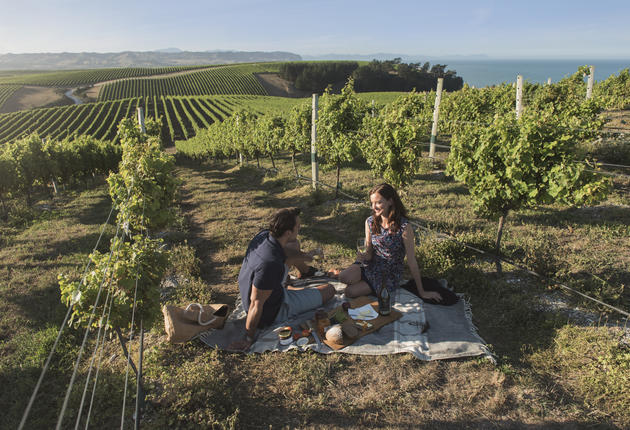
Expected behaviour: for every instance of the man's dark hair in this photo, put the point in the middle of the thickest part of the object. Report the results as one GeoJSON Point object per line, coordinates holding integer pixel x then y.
{"type": "Point", "coordinates": [283, 220]}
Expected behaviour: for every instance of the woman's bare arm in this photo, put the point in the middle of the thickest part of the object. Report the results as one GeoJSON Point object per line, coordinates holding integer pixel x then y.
{"type": "Point", "coordinates": [410, 252]}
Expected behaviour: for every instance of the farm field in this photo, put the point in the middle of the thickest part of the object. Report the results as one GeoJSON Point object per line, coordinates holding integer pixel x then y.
{"type": "Point", "coordinates": [73, 78]}
{"type": "Point", "coordinates": [183, 116]}
{"type": "Point", "coordinates": [7, 91]}
{"type": "Point", "coordinates": [551, 367]}
{"type": "Point", "coordinates": [238, 79]}
{"type": "Point", "coordinates": [561, 360]}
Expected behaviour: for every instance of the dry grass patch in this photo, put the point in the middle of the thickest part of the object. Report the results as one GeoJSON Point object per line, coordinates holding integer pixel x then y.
{"type": "Point", "coordinates": [30, 97]}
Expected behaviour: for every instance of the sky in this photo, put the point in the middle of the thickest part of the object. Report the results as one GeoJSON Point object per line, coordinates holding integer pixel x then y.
{"type": "Point", "coordinates": [495, 28]}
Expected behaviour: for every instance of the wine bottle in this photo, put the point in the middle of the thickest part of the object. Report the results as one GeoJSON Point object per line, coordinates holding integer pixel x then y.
{"type": "Point", "coordinates": [384, 301]}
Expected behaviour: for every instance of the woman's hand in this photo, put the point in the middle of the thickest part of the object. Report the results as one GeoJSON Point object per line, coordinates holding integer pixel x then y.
{"type": "Point", "coordinates": [363, 257]}
{"type": "Point", "coordinates": [431, 295]}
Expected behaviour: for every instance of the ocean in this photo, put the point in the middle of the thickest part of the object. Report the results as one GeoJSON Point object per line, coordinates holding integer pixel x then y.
{"type": "Point", "coordinates": [481, 73]}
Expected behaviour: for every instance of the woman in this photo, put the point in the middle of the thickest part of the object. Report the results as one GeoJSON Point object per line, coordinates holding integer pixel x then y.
{"type": "Point", "coordinates": [389, 238]}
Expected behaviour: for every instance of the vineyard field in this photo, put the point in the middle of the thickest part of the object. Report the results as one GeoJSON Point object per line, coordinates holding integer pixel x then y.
{"type": "Point", "coordinates": [237, 79]}
{"type": "Point", "coordinates": [183, 116]}
{"type": "Point", "coordinates": [6, 91]}
{"type": "Point", "coordinates": [85, 77]}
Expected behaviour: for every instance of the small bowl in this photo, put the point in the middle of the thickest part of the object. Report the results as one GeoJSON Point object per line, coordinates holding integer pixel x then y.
{"type": "Point", "coordinates": [301, 341]}
{"type": "Point", "coordinates": [285, 335]}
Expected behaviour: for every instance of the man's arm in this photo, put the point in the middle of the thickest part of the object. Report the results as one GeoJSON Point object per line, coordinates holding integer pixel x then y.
{"type": "Point", "coordinates": [257, 299]}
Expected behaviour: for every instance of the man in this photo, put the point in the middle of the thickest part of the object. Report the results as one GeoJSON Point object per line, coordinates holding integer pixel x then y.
{"type": "Point", "coordinates": [263, 274]}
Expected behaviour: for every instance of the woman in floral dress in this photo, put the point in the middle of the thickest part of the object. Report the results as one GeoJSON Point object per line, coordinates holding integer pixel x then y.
{"type": "Point", "coordinates": [389, 238]}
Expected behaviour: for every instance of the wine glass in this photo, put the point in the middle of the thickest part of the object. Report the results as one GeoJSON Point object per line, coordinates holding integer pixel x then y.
{"type": "Point", "coordinates": [318, 253]}
{"type": "Point", "coordinates": [361, 249]}
{"type": "Point", "coordinates": [361, 246]}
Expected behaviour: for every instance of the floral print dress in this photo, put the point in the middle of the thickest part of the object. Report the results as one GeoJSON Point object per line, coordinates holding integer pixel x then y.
{"type": "Point", "coordinates": [387, 263]}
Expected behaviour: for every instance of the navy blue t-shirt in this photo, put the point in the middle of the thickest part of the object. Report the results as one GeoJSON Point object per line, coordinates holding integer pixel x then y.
{"type": "Point", "coordinates": [263, 266]}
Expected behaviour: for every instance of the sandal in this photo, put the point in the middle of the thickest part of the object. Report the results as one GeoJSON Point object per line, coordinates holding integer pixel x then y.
{"type": "Point", "coordinates": [311, 272]}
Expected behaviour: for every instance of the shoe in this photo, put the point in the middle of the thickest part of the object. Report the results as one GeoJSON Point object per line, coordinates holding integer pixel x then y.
{"type": "Point", "coordinates": [311, 272]}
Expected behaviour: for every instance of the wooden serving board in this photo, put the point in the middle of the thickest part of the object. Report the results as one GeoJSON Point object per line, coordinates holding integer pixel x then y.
{"type": "Point", "coordinates": [377, 323]}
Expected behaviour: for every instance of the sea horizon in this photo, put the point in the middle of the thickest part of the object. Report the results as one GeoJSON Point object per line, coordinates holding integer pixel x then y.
{"type": "Point", "coordinates": [487, 72]}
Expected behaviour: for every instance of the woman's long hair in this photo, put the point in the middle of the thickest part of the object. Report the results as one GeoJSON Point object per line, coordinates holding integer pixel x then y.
{"type": "Point", "coordinates": [396, 211]}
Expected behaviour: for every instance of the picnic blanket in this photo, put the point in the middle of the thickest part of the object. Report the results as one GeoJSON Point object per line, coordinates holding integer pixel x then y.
{"type": "Point", "coordinates": [449, 334]}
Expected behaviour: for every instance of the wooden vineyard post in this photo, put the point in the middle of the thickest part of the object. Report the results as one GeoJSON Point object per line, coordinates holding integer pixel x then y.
{"type": "Point", "coordinates": [589, 85]}
{"type": "Point", "coordinates": [436, 116]}
{"type": "Point", "coordinates": [519, 96]}
{"type": "Point", "coordinates": [314, 167]}
{"type": "Point", "coordinates": [139, 386]}
{"type": "Point", "coordinates": [141, 120]}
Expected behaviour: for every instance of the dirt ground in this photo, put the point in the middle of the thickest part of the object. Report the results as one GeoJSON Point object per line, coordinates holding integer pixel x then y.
{"type": "Point", "coordinates": [29, 97]}
{"type": "Point", "coordinates": [619, 119]}
{"type": "Point", "coordinates": [276, 86]}
{"type": "Point", "coordinates": [94, 90]}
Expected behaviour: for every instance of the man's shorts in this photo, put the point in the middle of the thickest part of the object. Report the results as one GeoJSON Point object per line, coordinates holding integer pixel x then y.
{"type": "Point", "coordinates": [297, 302]}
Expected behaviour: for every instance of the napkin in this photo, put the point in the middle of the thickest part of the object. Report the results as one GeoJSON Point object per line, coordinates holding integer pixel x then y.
{"type": "Point", "coordinates": [365, 313]}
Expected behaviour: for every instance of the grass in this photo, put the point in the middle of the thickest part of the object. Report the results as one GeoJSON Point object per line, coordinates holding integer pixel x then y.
{"type": "Point", "coordinates": [550, 372]}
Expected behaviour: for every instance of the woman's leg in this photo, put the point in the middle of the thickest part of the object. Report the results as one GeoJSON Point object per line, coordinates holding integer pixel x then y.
{"type": "Point", "coordinates": [356, 286]}
{"type": "Point", "coordinates": [361, 288]}
{"type": "Point", "coordinates": [351, 275]}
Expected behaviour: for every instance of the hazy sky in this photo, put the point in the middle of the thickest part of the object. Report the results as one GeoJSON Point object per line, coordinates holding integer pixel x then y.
{"type": "Point", "coordinates": [506, 29]}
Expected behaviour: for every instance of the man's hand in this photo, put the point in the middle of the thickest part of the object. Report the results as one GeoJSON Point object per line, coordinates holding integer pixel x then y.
{"type": "Point", "coordinates": [315, 254]}
{"type": "Point", "coordinates": [257, 300]}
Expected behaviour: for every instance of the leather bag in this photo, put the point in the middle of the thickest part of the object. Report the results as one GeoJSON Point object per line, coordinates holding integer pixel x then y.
{"type": "Point", "coordinates": [184, 324]}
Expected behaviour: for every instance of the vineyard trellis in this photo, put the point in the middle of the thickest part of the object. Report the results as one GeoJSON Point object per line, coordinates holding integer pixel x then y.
{"type": "Point", "coordinates": [508, 161]}
{"type": "Point", "coordinates": [85, 77]}
{"type": "Point", "coordinates": [145, 170]}
{"type": "Point", "coordinates": [7, 91]}
{"type": "Point", "coordinates": [184, 116]}
{"type": "Point", "coordinates": [217, 80]}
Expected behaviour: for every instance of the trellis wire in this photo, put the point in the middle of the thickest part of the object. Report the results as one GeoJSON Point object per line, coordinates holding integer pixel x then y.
{"type": "Point", "coordinates": [98, 367]}
{"type": "Point", "coordinates": [133, 316]}
{"type": "Point", "coordinates": [94, 352]}
{"type": "Point", "coordinates": [87, 332]}
{"type": "Point", "coordinates": [63, 325]}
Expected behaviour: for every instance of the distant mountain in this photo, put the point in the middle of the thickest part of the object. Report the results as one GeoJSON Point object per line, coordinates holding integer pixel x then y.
{"type": "Point", "coordinates": [355, 57]}
{"type": "Point", "coordinates": [169, 50]}
{"type": "Point", "coordinates": [161, 58]}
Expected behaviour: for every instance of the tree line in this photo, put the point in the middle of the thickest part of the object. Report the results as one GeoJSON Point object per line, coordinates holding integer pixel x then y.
{"type": "Point", "coordinates": [390, 75]}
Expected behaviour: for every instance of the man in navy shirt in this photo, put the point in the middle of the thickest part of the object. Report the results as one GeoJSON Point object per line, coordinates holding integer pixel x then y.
{"type": "Point", "coordinates": [261, 280]}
